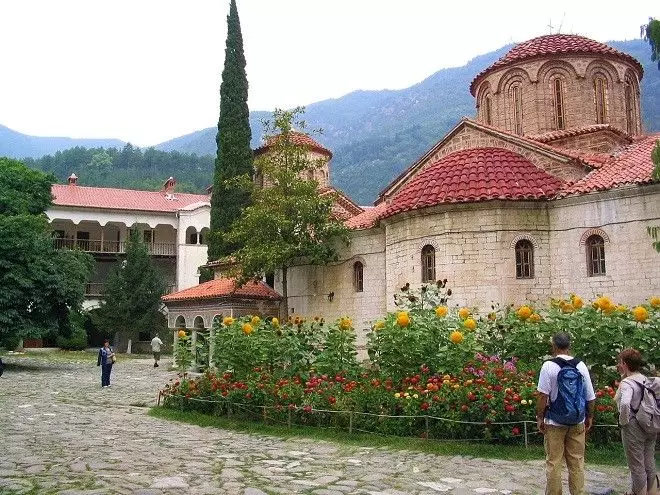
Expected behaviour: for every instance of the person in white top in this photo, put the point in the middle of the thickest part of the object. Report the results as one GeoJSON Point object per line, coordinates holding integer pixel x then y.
{"type": "Point", "coordinates": [155, 348]}
{"type": "Point", "coordinates": [564, 441]}
{"type": "Point", "coordinates": [637, 443]}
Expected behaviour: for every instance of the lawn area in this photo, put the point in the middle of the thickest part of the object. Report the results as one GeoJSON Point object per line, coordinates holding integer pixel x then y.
{"type": "Point", "coordinates": [611, 455]}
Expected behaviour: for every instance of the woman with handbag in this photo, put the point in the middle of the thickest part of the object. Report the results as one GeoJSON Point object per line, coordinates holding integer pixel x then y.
{"type": "Point", "coordinates": [105, 360]}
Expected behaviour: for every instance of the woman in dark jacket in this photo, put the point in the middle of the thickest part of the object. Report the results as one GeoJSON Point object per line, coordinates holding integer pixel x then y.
{"type": "Point", "coordinates": [105, 360]}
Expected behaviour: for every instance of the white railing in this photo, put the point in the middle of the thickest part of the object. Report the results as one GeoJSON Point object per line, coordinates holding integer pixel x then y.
{"type": "Point", "coordinates": [117, 247]}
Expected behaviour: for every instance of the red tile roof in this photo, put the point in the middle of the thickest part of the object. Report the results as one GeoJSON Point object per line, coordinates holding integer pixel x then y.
{"type": "Point", "coordinates": [122, 199]}
{"type": "Point", "coordinates": [632, 165]}
{"type": "Point", "coordinates": [368, 218]}
{"type": "Point", "coordinates": [298, 138]}
{"type": "Point", "coordinates": [550, 136]}
{"type": "Point", "coordinates": [224, 288]}
{"type": "Point", "coordinates": [343, 207]}
{"type": "Point", "coordinates": [556, 44]}
{"type": "Point", "coordinates": [475, 174]}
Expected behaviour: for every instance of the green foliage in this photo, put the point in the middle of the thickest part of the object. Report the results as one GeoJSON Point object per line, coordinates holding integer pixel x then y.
{"type": "Point", "coordinates": [234, 155]}
{"type": "Point", "coordinates": [183, 353]}
{"type": "Point", "coordinates": [654, 233]}
{"type": "Point", "coordinates": [338, 354]}
{"type": "Point", "coordinates": [132, 298]}
{"type": "Point", "coordinates": [655, 158]}
{"type": "Point", "coordinates": [288, 221]}
{"type": "Point", "coordinates": [39, 285]}
{"type": "Point", "coordinates": [651, 33]}
{"type": "Point", "coordinates": [77, 341]}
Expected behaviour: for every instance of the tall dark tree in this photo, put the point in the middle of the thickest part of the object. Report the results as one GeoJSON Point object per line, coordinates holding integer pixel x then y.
{"type": "Point", "coordinates": [132, 301]}
{"type": "Point", "coordinates": [39, 286]}
{"type": "Point", "coordinates": [234, 156]}
{"type": "Point", "coordinates": [651, 33]}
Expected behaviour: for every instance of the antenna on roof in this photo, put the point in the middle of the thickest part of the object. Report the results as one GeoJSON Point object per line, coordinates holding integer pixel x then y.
{"type": "Point", "coordinates": [550, 26]}
{"type": "Point", "coordinates": [561, 23]}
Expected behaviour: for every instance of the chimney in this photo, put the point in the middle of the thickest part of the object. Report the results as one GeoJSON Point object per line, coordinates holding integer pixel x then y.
{"type": "Point", "coordinates": [73, 179]}
{"type": "Point", "coordinates": [168, 187]}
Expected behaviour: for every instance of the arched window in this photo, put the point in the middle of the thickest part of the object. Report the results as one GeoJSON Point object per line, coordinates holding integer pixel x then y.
{"type": "Point", "coordinates": [631, 114]}
{"type": "Point", "coordinates": [515, 93]}
{"type": "Point", "coordinates": [524, 259]}
{"type": "Point", "coordinates": [487, 103]}
{"type": "Point", "coordinates": [191, 235]}
{"type": "Point", "coordinates": [600, 96]}
{"type": "Point", "coordinates": [428, 263]}
{"type": "Point", "coordinates": [595, 256]}
{"type": "Point", "coordinates": [358, 276]}
{"type": "Point", "coordinates": [558, 100]}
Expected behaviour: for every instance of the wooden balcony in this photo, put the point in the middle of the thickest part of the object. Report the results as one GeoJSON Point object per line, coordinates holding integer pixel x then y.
{"type": "Point", "coordinates": [96, 289]}
{"type": "Point", "coordinates": [113, 247]}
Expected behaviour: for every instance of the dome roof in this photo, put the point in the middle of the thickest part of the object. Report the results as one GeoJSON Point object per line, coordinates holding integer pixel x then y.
{"type": "Point", "coordinates": [556, 44]}
{"type": "Point", "coordinates": [476, 174]}
{"type": "Point", "coordinates": [298, 138]}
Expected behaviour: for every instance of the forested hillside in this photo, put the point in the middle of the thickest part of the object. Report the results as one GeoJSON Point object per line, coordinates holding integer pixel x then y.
{"type": "Point", "coordinates": [129, 167]}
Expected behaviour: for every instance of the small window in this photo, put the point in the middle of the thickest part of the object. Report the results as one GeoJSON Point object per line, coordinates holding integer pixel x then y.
{"type": "Point", "coordinates": [192, 238]}
{"type": "Point", "coordinates": [358, 276]}
{"type": "Point", "coordinates": [516, 101]}
{"type": "Point", "coordinates": [558, 96]}
{"type": "Point", "coordinates": [595, 256]}
{"type": "Point", "coordinates": [488, 109]}
{"type": "Point", "coordinates": [148, 237]}
{"type": "Point", "coordinates": [600, 96]}
{"type": "Point", "coordinates": [631, 125]}
{"type": "Point", "coordinates": [428, 264]}
{"type": "Point", "coordinates": [524, 259]}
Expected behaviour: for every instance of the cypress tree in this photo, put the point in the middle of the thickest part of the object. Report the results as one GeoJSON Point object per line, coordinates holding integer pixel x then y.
{"type": "Point", "coordinates": [234, 156]}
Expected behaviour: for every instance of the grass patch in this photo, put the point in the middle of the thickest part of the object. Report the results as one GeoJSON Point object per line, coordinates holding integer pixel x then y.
{"type": "Point", "coordinates": [611, 455]}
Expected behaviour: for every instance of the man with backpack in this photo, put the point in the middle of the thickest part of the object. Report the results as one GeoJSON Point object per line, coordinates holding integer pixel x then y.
{"type": "Point", "coordinates": [564, 413]}
{"type": "Point", "coordinates": [638, 400]}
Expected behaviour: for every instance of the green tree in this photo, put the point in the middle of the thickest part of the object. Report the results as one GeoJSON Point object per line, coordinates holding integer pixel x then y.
{"type": "Point", "coordinates": [234, 156]}
{"type": "Point", "coordinates": [39, 286]}
{"type": "Point", "coordinates": [287, 222]}
{"type": "Point", "coordinates": [132, 296]}
{"type": "Point", "coordinates": [651, 33]}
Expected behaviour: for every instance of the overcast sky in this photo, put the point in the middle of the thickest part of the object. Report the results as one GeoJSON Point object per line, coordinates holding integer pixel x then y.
{"type": "Point", "coordinates": [146, 71]}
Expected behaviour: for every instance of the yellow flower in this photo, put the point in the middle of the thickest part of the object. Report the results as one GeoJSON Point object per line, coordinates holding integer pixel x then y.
{"type": "Point", "coordinates": [255, 320]}
{"type": "Point", "coordinates": [535, 317]}
{"type": "Point", "coordinates": [605, 304]}
{"type": "Point", "coordinates": [622, 308]}
{"type": "Point", "coordinates": [463, 313]}
{"type": "Point", "coordinates": [181, 333]}
{"type": "Point", "coordinates": [247, 328]}
{"type": "Point", "coordinates": [275, 322]}
{"type": "Point", "coordinates": [227, 320]}
{"type": "Point", "coordinates": [577, 301]}
{"type": "Point", "coordinates": [441, 311]}
{"type": "Point", "coordinates": [655, 301]}
{"type": "Point", "coordinates": [523, 402]}
{"type": "Point", "coordinates": [379, 325]}
{"type": "Point", "coordinates": [297, 320]}
{"type": "Point", "coordinates": [640, 313]}
{"type": "Point", "coordinates": [402, 319]}
{"type": "Point", "coordinates": [345, 323]}
{"type": "Point", "coordinates": [524, 312]}
{"type": "Point", "coordinates": [415, 396]}
{"type": "Point", "coordinates": [397, 395]}
{"type": "Point", "coordinates": [567, 308]}
{"type": "Point", "coordinates": [470, 324]}
{"type": "Point", "coordinates": [456, 337]}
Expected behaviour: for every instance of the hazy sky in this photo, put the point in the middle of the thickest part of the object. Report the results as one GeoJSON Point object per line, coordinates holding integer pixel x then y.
{"type": "Point", "coordinates": [149, 70]}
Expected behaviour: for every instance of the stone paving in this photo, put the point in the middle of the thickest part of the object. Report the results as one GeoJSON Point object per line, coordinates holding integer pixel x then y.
{"type": "Point", "coordinates": [61, 433]}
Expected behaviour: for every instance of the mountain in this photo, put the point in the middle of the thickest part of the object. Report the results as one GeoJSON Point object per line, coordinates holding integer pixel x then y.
{"type": "Point", "coordinates": [375, 135]}
{"type": "Point", "coordinates": [17, 145]}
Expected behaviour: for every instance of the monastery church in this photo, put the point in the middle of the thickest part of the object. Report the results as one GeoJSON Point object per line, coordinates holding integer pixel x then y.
{"type": "Point", "coordinates": [547, 192]}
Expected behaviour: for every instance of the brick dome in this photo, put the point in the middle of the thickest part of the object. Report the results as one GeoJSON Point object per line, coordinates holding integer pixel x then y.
{"type": "Point", "coordinates": [298, 138]}
{"type": "Point", "coordinates": [476, 174]}
{"type": "Point", "coordinates": [556, 44]}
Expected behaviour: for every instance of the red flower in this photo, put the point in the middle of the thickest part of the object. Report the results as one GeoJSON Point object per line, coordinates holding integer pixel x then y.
{"type": "Point", "coordinates": [307, 409]}
{"type": "Point", "coordinates": [515, 430]}
{"type": "Point", "coordinates": [332, 399]}
{"type": "Point", "coordinates": [424, 406]}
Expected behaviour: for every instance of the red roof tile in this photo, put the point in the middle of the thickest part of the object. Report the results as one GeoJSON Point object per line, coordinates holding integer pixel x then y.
{"type": "Point", "coordinates": [298, 138]}
{"type": "Point", "coordinates": [122, 199]}
{"type": "Point", "coordinates": [475, 174]}
{"type": "Point", "coordinates": [367, 218]}
{"type": "Point", "coordinates": [224, 288]}
{"type": "Point", "coordinates": [632, 165]}
{"type": "Point", "coordinates": [550, 136]}
{"type": "Point", "coordinates": [556, 44]}
{"type": "Point", "coordinates": [343, 207]}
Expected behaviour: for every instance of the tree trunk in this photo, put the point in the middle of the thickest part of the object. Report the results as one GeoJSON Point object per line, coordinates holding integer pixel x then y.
{"type": "Point", "coordinates": [284, 306]}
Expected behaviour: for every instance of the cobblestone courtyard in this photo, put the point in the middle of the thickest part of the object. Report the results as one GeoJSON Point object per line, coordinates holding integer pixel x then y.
{"type": "Point", "coordinates": [61, 433]}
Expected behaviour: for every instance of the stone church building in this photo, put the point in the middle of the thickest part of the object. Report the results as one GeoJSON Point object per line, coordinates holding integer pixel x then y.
{"type": "Point", "coordinates": [548, 191]}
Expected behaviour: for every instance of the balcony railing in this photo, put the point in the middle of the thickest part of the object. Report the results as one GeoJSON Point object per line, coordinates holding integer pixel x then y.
{"type": "Point", "coordinates": [113, 247]}
{"type": "Point", "coordinates": [96, 289]}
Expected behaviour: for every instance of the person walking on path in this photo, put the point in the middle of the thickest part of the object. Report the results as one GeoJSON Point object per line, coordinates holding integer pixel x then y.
{"type": "Point", "coordinates": [564, 413]}
{"type": "Point", "coordinates": [638, 444]}
{"type": "Point", "coordinates": [155, 348]}
{"type": "Point", "coordinates": [105, 359]}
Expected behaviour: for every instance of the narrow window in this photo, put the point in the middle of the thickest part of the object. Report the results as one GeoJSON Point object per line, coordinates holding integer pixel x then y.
{"type": "Point", "coordinates": [358, 276]}
{"type": "Point", "coordinates": [428, 264]}
{"type": "Point", "coordinates": [600, 94]}
{"type": "Point", "coordinates": [524, 259]}
{"type": "Point", "coordinates": [595, 256]}
{"type": "Point", "coordinates": [488, 116]}
{"type": "Point", "coordinates": [630, 108]}
{"type": "Point", "coordinates": [148, 236]}
{"type": "Point", "coordinates": [516, 100]}
{"type": "Point", "coordinates": [558, 94]}
{"type": "Point", "coordinates": [192, 239]}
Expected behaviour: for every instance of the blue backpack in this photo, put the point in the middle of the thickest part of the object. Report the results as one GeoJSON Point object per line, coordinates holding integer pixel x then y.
{"type": "Point", "coordinates": [569, 407]}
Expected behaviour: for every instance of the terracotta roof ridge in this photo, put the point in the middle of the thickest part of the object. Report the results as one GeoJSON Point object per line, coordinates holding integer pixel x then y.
{"type": "Point", "coordinates": [544, 137]}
